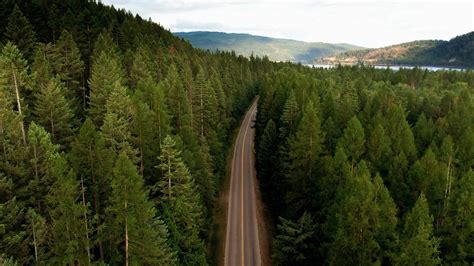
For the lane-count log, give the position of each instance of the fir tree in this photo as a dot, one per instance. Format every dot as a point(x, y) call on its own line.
point(20, 32)
point(132, 221)
point(54, 113)
point(106, 76)
point(13, 152)
point(70, 241)
point(41, 165)
point(93, 164)
point(353, 140)
point(116, 129)
point(459, 228)
point(177, 101)
point(203, 103)
point(355, 216)
point(182, 209)
point(378, 148)
point(290, 115)
point(14, 76)
point(68, 65)
point(294, 242)
point(418, 245)
point(13, 238)
point(304, 150)
point(38, 232)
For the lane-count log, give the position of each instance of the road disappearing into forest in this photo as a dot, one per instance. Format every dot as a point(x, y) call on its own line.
point(242, 237)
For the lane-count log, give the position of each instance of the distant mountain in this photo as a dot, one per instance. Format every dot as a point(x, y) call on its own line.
point(457, 52)
point(275, 49)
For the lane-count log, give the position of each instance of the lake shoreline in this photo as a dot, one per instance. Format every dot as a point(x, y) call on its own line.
point(394, 67)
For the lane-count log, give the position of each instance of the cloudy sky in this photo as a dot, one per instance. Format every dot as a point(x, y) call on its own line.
point(369, 23)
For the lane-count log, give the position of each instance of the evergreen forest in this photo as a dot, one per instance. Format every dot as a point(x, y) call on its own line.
point(114, 136)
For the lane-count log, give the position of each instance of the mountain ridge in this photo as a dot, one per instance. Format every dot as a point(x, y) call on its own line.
point(457, 52)
point(277, 49)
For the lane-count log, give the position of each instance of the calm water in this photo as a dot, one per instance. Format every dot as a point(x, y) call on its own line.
point(430, 68)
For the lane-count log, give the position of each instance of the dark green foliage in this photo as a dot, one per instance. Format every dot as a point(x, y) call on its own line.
point(54, 113)
point(69, 67)
point(69, 241)
point(418, 245)
point(132, 220)
point(20, 32)
point(72, 194)
point(384, 137)
point(352, 140)
point(106, 76)
point(182, 205)
point(459, 227)
point(303, 155)
point(294, 241)
point(130, 83)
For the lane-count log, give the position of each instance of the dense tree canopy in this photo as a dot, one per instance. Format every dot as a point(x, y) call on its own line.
point(357, 146)
point(98, 108)
point(114, 134)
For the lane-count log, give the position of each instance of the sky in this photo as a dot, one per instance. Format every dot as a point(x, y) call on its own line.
point(368, 23)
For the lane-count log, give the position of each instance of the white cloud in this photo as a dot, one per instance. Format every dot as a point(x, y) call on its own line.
point(370, 23)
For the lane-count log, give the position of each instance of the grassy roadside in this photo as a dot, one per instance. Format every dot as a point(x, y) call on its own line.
point(216, 244)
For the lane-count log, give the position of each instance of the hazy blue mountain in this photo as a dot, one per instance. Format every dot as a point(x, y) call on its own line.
point(275, 49)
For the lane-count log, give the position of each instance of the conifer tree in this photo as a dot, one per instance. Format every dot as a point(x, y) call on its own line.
point(266, 157)
point(38, 233)
point(106, 76)
point(177, 101)
point(140, 70)
point(424, 132)
point(401, 136)
point(41, 165)
point(183, 209)
point(13, 151)
point(132, 222)
point(116, 129)
point(418, 245)
point(70, 241)
point(290, 115)
point(13, 72)
point(20, 32)
point(203, 103)
point(304, 150)
point(106, 44)
point(353, 140)
point(378, 148)
point(465, 151)
point(220, 95)
point(294, 242)
point(93, 164)
point(459, 232)
point(41, 66)
point(386, 221)
point(355, 216)
point(68, 65)
point(13, 238)
point(53, 112)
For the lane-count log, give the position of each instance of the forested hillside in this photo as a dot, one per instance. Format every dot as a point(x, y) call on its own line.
point(457, 52)
point(276, 49)
point(113, 136)
point(361, 166)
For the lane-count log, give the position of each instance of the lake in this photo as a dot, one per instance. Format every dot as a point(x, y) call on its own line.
point(430, 68)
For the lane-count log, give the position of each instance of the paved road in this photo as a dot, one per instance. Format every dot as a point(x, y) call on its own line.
point(242, 243)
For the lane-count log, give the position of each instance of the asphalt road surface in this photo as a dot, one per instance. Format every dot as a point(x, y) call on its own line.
point(242, 243)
